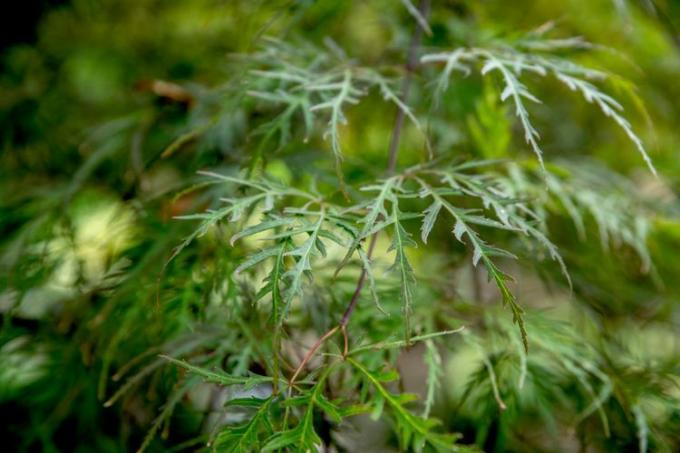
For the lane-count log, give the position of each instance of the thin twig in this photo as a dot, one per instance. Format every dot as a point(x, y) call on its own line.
point(311, 352)
point(345, 349)
point(393, 151)
point(411, 64)
point(360, 284)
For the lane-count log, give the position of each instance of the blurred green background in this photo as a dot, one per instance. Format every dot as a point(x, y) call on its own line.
point(92, 94)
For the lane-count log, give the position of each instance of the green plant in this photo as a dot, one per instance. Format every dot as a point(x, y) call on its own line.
point(290, 283)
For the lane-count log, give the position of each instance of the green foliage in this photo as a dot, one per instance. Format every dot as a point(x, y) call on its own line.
point(413, 432)
point(511, 62)
point(252, 253)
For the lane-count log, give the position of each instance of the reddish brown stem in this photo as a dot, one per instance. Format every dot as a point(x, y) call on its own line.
point(345, 349)
point(360, 285)
point(311, 352)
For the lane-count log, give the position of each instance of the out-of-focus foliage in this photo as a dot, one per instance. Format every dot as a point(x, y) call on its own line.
point(190, 192)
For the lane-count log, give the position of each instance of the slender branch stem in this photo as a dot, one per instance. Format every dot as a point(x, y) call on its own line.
point(360, 284)
point(410, 66)
point(345, 349)
point(393, 151)
point(311, 352)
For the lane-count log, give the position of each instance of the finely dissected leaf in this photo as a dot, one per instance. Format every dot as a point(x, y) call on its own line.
point(402, 343)
point(402, 267)
point(454, 61)
point(414, 432)
point(390, 95)
point(266, 192)
point(413, 11)
point(273, 284)
point(262, 226)
point(481, 251)
point(346, 94)
point(548, 245)
point(433, 361)
point(219, 377)
point(515, 89)
point(303, 254)
point(257, 258)
point(512, 213)
point(368, 268)
point(588, 191)
point(246, 437)
point(309, 90)
point(282, 124)
point(609, 106)
point(303, 437)
point(512, 64)
point(208, 220)
point(429, 219)
point(376, 210)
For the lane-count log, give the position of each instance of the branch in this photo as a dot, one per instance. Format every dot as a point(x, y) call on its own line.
point(393, 151)
point(411, 64)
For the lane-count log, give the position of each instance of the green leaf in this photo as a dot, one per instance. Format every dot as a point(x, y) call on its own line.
point(262, 226)
point(219, 377)
point(257, 258)
point(246, 437)
point(376, 210)
point(512, 63)
point(413, 11)
point(402, 267)
point(402, 343)
point(429, 219)
point(481, 251)
point(346, 94)
point(273, 283)
point(413, 431)
point(368, 268)
point(303, 437)
point(433, 361)
point(303, 254)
